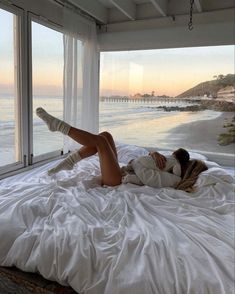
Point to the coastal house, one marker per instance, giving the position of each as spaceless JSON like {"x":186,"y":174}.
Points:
{"x":73,"y":234}
{"x":227,"y":94}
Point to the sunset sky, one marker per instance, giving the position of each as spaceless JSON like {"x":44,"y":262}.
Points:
{"x":165,"y":71}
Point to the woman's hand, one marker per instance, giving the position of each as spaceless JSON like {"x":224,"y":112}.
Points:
{"x":159,"y":159}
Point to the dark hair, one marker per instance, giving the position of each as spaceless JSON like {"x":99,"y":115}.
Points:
{"x":182,"y":155}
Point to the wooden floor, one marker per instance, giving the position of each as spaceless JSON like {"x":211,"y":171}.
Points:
{"x":14,"y":281}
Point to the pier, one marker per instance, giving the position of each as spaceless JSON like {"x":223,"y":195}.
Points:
{"x":150,"y":100}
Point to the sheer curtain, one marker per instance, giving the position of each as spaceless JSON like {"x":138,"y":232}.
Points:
{"x":81,"y":89}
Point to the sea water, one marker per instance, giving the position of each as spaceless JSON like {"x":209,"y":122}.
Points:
{"x":140,"y":123}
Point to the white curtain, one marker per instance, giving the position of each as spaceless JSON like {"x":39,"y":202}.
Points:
{"x":81,"y":88}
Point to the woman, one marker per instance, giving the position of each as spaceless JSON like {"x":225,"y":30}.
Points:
{"x":102,"y":143}
{"x":144,"y":170}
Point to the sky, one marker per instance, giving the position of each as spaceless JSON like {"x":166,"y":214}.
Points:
{"x":47,"y":58}
{"x":164,"y":71}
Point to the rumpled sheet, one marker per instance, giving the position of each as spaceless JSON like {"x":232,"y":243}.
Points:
{"x":120,"y":240}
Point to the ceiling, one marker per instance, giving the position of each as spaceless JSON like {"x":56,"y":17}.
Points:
{"x":116,"y":11}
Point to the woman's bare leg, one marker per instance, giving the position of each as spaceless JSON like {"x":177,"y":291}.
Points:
{"x":109,"y":138}
{"x":110,"y":170}
{"x":72,"y":158}
{"x":76,"y":156}
{"x":86,"y":151}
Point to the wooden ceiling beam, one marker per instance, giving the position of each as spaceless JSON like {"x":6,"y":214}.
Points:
{"x":161,"y":6}
{"x":198,"y":5}
{"x":93,"y":8}
{"x":127,"y":7}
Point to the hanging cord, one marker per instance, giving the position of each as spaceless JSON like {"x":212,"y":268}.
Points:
{"x":190,"y":24}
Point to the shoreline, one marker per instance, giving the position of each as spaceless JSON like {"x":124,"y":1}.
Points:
{"x":202,"y":135}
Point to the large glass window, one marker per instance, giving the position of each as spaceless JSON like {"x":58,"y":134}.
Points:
{"x":47,"y":74}
{"x":10,"y":138}
{"x":170,"y":98}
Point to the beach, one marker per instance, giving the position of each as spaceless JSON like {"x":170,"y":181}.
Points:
{"x":202,"y":135}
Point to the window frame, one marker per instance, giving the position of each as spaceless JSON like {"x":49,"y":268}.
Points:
{"x":49,"y":24}
{"x":25,"y":97}
{"x":21,"y":118}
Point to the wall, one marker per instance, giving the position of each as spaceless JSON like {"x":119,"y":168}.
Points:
{"x":210,"y":28}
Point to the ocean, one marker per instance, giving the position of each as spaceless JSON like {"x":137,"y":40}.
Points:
{"x":138,"y":123}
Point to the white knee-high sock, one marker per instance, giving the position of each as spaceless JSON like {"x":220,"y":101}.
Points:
{"x":67,"y":163}
{"x":53,"y":123}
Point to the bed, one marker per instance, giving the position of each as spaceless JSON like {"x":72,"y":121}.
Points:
{"x":124,"y":239}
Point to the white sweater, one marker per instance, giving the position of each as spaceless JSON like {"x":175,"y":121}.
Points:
{"x":146,"y":172}
{"x":172,"y":164}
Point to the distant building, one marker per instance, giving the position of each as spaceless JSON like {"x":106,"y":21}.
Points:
{"x":136,"y":96}
{"x":227,"y":93}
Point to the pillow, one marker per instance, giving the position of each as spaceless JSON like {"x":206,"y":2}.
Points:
{"x":213,"y":176}
{"x":126,"y":152}
{"x":210,"y":164}
{"x":195,"y":155}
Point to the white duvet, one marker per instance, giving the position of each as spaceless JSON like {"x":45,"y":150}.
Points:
{"x":120,"y":240}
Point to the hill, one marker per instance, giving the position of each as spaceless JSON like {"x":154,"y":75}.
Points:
{"x":209,"y":88}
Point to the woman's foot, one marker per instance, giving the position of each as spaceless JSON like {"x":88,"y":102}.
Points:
{"x":53,"y":123}
{"x":66,"y":164}
{"x":63,"y":165}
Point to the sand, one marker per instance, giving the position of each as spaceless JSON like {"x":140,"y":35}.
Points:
{"x":202,"y":135}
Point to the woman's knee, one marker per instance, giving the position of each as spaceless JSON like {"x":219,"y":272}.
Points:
{"x":107,"y":135}
{"x":109,"y":138}
{"x":102,"y":139}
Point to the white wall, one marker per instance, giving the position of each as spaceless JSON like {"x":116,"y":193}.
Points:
{"x":210,"y":28}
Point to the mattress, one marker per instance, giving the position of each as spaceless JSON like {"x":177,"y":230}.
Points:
{"x":123,"y":239}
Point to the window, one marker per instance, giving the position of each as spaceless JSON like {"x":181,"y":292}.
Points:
{"x":170,"y":98}
{"x":47,"y":86}
{"x":32,"y":74}
{"x":18,"y":139}
{"x":10,"y":100}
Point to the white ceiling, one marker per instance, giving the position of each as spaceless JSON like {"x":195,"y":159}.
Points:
{"x":108,"y":3}
{"x":115,"y":11}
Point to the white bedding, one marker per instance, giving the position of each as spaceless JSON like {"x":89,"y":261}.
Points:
{"x":120,"y":240}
